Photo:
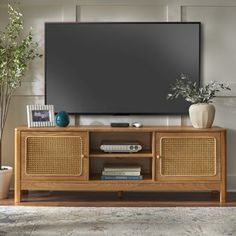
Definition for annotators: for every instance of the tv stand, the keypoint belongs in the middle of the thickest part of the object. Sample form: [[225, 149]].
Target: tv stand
[[172, 159]]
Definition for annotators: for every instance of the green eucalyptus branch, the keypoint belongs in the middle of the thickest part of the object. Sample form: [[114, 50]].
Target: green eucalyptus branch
[[184, 87], [16, 53]]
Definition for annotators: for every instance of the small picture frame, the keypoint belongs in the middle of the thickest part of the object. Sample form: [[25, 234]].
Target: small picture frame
[[40, 115]]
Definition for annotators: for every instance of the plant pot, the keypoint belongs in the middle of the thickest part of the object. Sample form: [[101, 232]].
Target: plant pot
[[202, 115], [5, 180]]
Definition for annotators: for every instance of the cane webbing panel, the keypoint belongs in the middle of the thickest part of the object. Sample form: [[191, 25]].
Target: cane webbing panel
[[188, 156], [50, 155]]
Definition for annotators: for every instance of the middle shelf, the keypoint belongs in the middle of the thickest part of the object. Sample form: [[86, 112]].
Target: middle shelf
[[97, 153]]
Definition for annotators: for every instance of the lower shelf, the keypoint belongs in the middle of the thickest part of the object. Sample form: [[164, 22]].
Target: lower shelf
[[97, 177]]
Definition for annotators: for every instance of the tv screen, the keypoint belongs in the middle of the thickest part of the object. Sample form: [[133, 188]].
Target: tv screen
[[119, 68]]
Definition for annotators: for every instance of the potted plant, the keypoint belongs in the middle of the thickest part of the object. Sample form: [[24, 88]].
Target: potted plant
[[15, 55], [201, 112]]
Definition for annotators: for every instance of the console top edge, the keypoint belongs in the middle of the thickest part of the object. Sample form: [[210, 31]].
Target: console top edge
[[91, 128]]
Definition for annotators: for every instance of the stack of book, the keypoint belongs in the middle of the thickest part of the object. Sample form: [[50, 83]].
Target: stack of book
[[124, 172]]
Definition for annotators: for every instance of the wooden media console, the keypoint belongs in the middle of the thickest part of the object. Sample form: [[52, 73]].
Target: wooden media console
[[172, 158]]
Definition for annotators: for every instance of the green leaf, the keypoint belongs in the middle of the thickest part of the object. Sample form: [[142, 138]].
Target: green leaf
[[189, 90]]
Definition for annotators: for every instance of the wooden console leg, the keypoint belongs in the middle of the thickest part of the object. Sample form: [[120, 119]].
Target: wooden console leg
[[120, 194], [17, 196], [223, 188], [17, 186], [17, 191], [222, 196]]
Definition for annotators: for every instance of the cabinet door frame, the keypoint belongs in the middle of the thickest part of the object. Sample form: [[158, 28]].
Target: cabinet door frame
[[84, 155], [178, 178]]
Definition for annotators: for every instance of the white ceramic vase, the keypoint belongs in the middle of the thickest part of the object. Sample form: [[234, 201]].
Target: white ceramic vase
[[5, 180], [202, 115]]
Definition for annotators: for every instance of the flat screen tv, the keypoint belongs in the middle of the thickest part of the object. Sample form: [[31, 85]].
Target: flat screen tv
[[119, 68]]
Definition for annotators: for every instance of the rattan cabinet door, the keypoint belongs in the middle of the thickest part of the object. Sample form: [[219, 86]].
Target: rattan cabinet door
[[54, 155], [187, 156]]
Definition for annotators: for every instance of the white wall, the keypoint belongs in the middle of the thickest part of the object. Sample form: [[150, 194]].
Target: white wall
[[218, 19]]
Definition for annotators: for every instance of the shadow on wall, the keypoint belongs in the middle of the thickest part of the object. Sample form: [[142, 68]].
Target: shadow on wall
[[231, 151], [226, 118]]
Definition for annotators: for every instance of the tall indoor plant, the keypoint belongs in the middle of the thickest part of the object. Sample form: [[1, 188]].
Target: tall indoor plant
[[16, 52], [201, 112]]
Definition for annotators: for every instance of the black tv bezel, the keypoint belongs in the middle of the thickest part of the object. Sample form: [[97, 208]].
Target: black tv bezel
[[122, 114]]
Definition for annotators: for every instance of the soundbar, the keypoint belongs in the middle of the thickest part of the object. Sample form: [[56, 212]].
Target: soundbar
[[120, 146], [124, 124]]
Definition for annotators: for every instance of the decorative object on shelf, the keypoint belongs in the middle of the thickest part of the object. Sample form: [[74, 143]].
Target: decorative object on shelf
[[201, 113], [137, 124], [40, 115], [16, 52], [125, 172], [62, 119]]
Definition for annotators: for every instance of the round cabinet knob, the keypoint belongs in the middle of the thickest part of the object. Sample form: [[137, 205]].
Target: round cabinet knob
[[62, 119], [158, 157]]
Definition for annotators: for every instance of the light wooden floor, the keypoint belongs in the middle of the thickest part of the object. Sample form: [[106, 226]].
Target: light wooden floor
[[129, 199]]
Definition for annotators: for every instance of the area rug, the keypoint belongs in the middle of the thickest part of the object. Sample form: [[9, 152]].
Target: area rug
[[109, 221]]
